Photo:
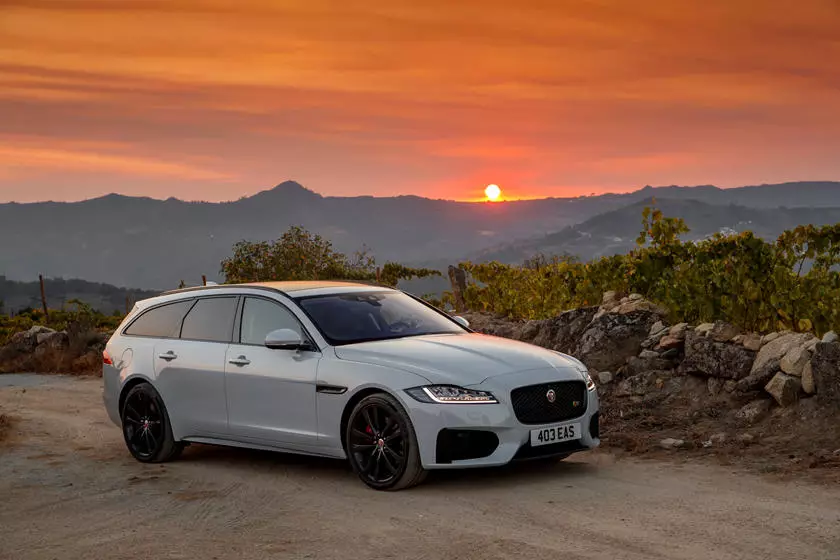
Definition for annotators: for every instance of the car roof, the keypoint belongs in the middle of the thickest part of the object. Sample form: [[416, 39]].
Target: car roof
[[293, 289]]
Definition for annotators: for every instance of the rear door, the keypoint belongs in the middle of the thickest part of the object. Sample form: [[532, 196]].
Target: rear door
[[270, 393], [191, 368]]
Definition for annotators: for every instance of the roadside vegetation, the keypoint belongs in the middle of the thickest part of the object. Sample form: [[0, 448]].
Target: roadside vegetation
[[80, 315], [792, 283]]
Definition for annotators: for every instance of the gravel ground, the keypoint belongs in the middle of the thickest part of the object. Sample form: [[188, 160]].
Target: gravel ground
[[69, 489]]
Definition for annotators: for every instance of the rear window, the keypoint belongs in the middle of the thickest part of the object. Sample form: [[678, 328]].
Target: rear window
[[210, 320], [160, 322]]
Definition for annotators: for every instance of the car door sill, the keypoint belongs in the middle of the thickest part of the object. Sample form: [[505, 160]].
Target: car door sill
[[262, 447]]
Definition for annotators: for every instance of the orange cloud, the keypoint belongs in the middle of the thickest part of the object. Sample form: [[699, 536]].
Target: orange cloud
[[404, 96]]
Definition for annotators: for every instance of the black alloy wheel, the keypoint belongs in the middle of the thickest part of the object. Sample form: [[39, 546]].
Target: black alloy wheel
[[381, 444], [146, 428]]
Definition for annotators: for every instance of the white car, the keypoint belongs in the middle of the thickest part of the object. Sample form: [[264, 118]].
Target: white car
[[341, 370]]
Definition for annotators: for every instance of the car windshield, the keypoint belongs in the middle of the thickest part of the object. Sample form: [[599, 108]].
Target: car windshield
[[368, 316]]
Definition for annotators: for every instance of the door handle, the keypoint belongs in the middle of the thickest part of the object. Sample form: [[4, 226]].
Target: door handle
[[169, 356], [240, 361]]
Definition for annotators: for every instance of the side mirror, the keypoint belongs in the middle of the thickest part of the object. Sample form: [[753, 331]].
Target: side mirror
[[461, 321], [284, 339]]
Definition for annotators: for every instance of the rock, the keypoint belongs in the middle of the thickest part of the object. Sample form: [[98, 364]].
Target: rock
[[612, 338], [830, 337], [669, 342], [754, 411], [657, 328], [752, 342], [784, 388], [609, 298], [718, 438], [811, 344], [704, 356], [563, 332], [729, 386], [825, 366], [641, 305], [678, 330], [795, 360], [648, 355], [808, 384], [714, 385], [769, 358], [745, 438], [635, 297], [739, 339], [671, 443], [652, 341], [605, 377], [769, 337], [636, 365], [722, 331], [704, 328], [530, 330], [649, 383], [670, 354]]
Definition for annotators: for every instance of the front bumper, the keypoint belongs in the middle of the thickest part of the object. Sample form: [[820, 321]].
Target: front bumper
[[434, 422]]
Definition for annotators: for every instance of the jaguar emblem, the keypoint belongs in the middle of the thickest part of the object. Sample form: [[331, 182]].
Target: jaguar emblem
[[575, 404], [551, 396]]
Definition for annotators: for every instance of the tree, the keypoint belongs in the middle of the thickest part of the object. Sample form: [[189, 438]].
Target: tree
[[301, 255]]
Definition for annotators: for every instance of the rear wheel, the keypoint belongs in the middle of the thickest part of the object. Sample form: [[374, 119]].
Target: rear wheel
[[146, 428], [381, 444]]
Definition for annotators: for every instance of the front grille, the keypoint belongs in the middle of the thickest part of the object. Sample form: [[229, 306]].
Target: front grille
[[532, 405]]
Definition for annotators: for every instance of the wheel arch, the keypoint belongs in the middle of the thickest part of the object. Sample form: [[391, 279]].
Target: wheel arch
[[128, 386], [351, 404]]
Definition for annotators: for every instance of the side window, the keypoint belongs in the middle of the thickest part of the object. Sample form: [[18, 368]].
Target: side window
[[211, 319], [160, 322], [260, 317]]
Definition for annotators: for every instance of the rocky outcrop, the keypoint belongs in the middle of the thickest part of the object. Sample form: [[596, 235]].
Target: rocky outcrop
[[769, 359], [40, 349], [706, 356], [563, 332], [611, 338]]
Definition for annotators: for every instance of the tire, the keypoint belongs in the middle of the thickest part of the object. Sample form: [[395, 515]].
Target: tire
[[146, 428], [379, 436]]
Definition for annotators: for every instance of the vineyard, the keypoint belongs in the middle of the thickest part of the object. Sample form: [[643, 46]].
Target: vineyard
[[792, 284]]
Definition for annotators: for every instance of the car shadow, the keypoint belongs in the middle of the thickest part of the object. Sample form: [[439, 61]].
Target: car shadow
[[514, 474]]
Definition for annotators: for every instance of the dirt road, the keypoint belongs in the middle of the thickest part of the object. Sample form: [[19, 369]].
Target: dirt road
[[68, 489]]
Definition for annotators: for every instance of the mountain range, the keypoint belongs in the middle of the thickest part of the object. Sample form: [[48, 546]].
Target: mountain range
[[153, 244]]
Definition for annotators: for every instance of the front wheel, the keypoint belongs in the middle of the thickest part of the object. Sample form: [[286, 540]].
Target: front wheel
[[146, 428], [382, 446]]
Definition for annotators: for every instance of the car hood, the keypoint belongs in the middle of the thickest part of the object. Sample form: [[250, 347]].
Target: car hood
[[459, 359]]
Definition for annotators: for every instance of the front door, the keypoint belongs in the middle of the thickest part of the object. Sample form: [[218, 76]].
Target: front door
[[270, 393]]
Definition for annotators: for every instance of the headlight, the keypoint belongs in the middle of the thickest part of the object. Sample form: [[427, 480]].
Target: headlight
[[590, 383], [450, 394]]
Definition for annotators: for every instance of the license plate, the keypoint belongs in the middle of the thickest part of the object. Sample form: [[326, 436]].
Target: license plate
[[555, 434]]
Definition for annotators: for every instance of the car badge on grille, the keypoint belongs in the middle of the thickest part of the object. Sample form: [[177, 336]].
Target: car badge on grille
[[551, 396], [575, 404]]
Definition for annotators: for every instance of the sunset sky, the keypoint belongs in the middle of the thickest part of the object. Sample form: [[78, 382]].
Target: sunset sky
[[218, 99]]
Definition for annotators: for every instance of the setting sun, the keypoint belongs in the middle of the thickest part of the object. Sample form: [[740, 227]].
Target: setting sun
[[493, 192]]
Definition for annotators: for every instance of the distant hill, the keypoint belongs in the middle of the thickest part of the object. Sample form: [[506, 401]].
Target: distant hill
[[102, 297], [152, 243], [616, 231]]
